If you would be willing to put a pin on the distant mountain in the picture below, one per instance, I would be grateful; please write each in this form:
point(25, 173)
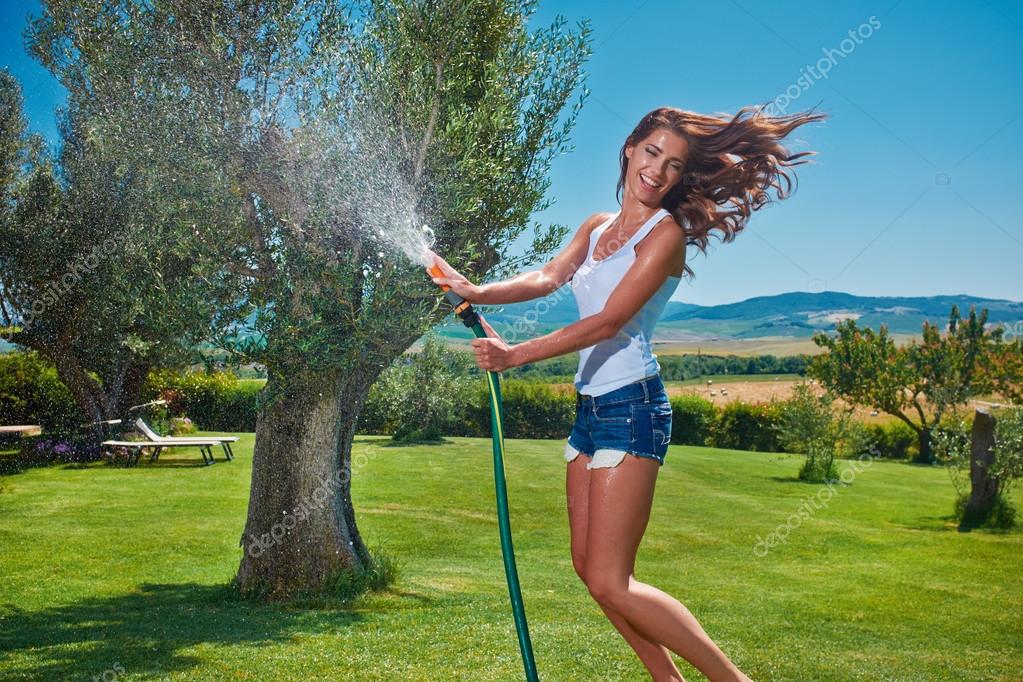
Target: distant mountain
point(796, 314)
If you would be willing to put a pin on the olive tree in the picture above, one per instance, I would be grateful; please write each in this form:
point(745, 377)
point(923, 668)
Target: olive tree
point(314, 137)
point(86, 273)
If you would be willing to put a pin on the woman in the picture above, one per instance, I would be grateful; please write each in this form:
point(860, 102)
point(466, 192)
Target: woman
point(682, 175)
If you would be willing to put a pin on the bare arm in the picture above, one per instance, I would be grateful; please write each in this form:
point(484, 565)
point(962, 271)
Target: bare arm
point(655, 261)
point(527, 286)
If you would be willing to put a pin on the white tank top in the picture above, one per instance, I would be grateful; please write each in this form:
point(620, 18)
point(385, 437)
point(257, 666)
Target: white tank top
point(627, 356)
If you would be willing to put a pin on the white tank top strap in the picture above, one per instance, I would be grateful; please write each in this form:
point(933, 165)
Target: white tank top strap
point(647, 226)
point(595, 234)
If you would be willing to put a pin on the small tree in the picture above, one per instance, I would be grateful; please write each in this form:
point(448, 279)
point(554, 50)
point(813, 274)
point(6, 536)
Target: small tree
point(810, 423)
point(868, 369)
point(420, 392)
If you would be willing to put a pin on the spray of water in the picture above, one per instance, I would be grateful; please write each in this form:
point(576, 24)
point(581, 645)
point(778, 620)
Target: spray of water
point(357, 178)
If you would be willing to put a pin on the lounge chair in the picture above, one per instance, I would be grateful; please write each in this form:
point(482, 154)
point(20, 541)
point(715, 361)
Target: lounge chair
point(136, 447)
point(223, 441)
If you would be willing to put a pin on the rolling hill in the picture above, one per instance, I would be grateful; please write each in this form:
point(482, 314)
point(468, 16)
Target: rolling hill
point(795, 315)
point(786, 321)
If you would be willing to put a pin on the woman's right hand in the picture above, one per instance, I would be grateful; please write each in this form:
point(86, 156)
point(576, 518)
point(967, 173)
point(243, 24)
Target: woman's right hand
point(453, 279)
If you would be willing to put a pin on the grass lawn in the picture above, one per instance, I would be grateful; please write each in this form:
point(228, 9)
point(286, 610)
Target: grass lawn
point(122, 571)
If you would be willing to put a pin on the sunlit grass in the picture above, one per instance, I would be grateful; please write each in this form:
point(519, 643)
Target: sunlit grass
point(105, 567)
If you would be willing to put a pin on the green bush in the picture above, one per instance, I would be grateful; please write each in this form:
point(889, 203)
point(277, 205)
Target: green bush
point(1001, 516)
point(531, 410)
point(692, 418)
point(811, 424)
point(214, 401)
point(39, 451)
point(182, 426)
point(31, 393)
point(891, 440)
point(745, 426)
point(419, 397)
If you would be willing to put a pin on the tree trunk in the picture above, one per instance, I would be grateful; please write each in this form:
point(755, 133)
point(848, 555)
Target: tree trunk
point(130, 390)
point(983, 486)
point(86, 391)
point(301, 530)
point(926, 454)
point(100, 401)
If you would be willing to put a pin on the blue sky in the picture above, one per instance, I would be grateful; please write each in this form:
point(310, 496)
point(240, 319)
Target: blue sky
point(915, 189)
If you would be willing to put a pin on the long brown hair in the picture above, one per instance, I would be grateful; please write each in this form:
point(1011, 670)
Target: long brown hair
point(732, 162)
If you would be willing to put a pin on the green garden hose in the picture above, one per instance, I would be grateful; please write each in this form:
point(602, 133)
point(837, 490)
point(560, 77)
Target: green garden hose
point(471, 319)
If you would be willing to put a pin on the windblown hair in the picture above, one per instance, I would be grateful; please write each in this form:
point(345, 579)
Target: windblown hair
point(732, 162)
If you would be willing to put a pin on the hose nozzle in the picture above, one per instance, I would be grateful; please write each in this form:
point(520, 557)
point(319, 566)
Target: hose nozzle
point(461, 307)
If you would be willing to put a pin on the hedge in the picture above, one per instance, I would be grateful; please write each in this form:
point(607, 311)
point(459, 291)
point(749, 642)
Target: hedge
point(745, 426)
point(214, 401)
point(30, 392)
point(691, 419)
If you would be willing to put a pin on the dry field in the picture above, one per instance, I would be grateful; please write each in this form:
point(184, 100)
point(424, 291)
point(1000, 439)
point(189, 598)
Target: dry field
point(723, 390)
point(767, 345)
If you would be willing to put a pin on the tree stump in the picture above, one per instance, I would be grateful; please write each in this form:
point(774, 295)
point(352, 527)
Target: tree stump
point(983, 485)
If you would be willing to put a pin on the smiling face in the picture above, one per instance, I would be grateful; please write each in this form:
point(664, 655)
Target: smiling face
point(656, 164)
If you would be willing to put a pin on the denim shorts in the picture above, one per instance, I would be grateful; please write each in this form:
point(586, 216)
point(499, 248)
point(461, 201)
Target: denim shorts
point(633, 419)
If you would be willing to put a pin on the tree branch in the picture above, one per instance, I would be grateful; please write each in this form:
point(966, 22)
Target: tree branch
point(245, 271)
point(920, 410)
point(438, 68)
point(3, 305)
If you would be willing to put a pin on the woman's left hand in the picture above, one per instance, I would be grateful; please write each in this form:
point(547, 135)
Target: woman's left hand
point(493, 353)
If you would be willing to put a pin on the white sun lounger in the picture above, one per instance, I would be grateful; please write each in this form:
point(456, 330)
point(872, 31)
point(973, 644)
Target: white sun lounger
point(224, 441)
point(136, 447)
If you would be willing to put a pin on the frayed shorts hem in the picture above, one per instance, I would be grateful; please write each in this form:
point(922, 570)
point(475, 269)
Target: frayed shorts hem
point(605, 458)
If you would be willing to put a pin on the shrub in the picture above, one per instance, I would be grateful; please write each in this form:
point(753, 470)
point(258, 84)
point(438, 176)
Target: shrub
point(215, 401)
point(418, 398)
point(811, 424)
point(1001, 516)
point(892, 440)
point(31, 393)
point(531, 410)
point(52, 449)
point(182, 426)
point(745, 426)
point(952, 442)
point(692, 419)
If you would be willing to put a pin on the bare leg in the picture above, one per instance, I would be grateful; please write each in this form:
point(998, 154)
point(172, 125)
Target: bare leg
point(619, 502)
point(654, 656)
